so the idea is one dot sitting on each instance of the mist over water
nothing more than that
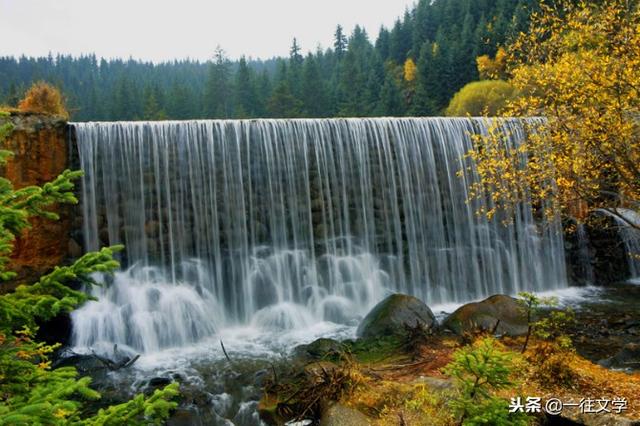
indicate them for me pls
(281, 226)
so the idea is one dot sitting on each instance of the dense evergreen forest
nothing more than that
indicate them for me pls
(413, 68)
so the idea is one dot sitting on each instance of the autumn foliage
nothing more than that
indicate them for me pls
(579, 67)
(44, 98)
(487, 97)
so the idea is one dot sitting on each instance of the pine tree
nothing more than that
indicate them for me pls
(391, 101)
(294, 54)
(340, 42)
(245, 91)
(218, 88)
(294, 74)
(116, 89)
(282, 103)
(263, 91)
(153, 104)
(314, 93)
(32, 392)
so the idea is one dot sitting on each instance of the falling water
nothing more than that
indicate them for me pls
(285, 223)
(585, 256)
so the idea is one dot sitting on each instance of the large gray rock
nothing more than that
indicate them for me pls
(340, 415)
(573, 415)
(484, 315)
(390, 316)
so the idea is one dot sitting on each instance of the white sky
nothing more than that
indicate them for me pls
(170, 29)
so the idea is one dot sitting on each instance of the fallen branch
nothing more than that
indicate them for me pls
(225, 352)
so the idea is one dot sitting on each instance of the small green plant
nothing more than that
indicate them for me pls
(531, 305)
(479, 370)
(553, 346)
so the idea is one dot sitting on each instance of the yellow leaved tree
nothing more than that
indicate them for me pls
(579, 67)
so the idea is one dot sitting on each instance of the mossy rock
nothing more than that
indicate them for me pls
(318, 349)
(393, 314)
(484, 315)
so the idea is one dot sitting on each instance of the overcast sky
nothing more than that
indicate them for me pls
(160, 30)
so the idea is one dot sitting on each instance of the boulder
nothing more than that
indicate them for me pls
(317, 349)
(390, 316)
(573, 416)
(484, 315)
(187, 416)
(341, 415)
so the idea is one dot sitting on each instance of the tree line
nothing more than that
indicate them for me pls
(413, 68)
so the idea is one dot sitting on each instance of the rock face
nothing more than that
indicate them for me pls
(40, 147)
(485, 315)
(390, 316)
(609, 253)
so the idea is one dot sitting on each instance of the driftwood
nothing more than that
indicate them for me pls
(116, 364)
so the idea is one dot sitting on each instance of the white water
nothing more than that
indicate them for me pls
(288, 226)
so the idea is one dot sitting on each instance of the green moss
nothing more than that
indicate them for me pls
(374, 350)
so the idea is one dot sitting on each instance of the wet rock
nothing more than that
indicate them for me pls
(103, 234)
(609, 252)
(85, 364)
(628, 358)
(157, 382)
(75, 249)
(222, 404)
(390, 316)
(484, 315)
(341, 415)
(185, 417)
(317, 349)
(152, 228)
(261, 377)
(56, 330)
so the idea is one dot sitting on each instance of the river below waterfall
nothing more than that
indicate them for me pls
(217, 390)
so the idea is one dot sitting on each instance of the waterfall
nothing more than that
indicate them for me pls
(285, 223)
